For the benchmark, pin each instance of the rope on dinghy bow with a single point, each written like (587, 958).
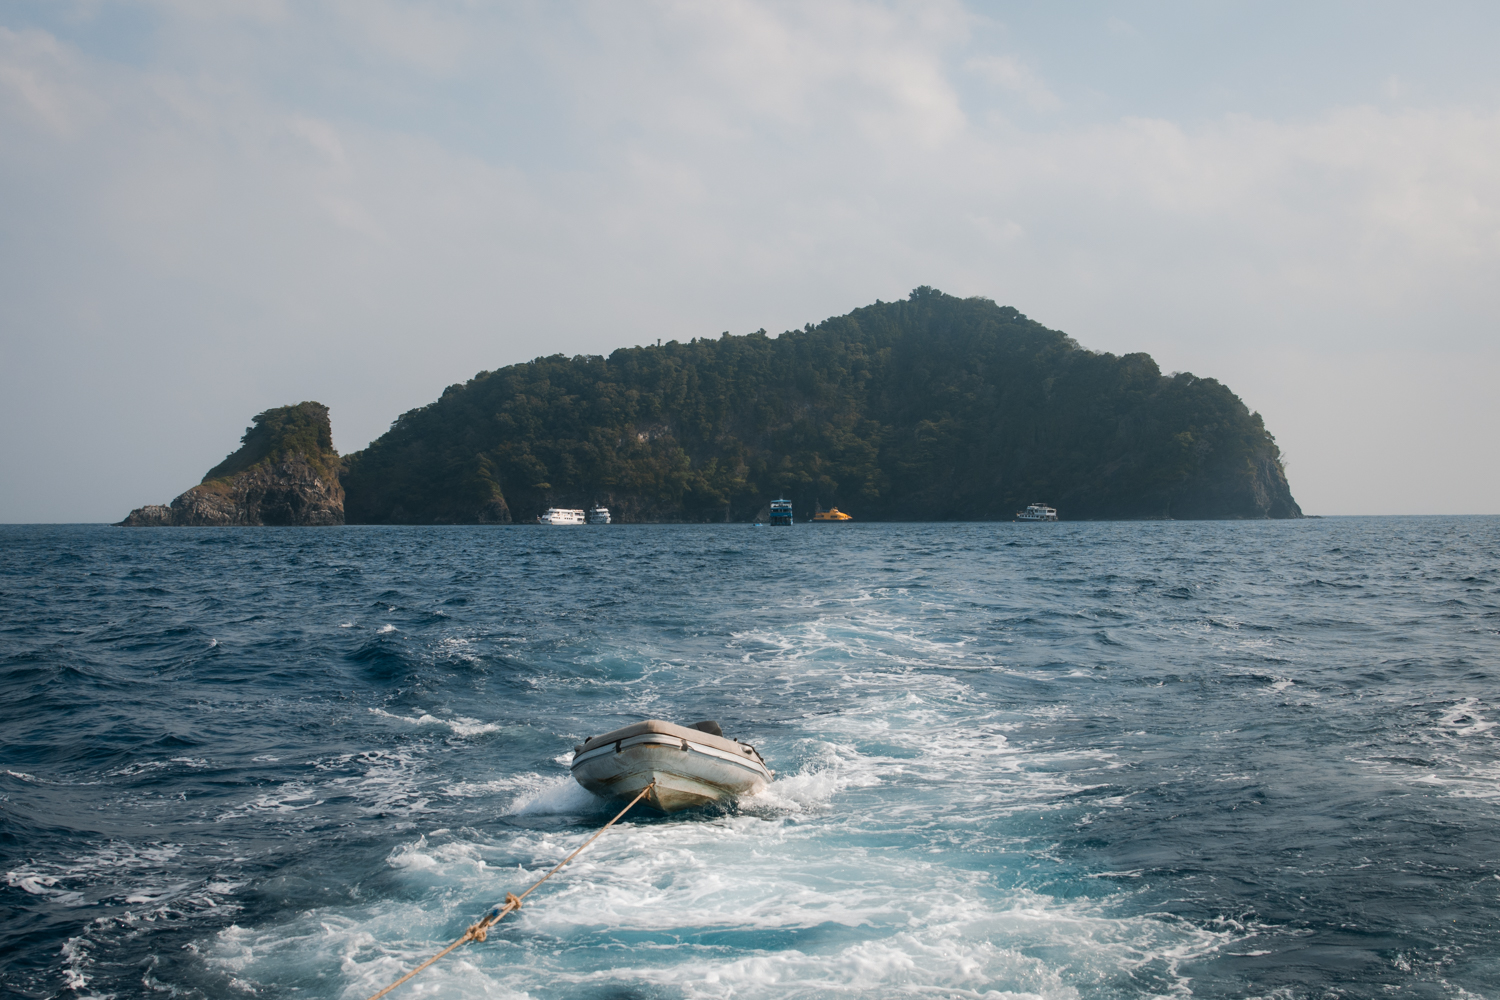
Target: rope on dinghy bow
(480, 929)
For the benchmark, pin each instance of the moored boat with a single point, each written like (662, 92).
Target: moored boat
(599, 515)
(833, 515)
(561, 515)
(691, 765)
(781, 512)
(1037, 512)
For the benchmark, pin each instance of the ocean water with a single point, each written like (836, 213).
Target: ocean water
(1046, 760)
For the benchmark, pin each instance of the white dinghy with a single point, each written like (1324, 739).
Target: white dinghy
(691, 765)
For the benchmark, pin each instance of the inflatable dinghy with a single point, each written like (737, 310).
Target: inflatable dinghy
(691, 765)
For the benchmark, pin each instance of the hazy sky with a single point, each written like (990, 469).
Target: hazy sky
(208, 209)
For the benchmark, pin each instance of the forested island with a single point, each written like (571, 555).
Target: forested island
(935, 408)
(932, 409)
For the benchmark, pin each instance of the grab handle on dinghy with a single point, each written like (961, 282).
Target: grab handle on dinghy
(480, 929)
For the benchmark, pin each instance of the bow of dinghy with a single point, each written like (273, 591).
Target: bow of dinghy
(684, 766)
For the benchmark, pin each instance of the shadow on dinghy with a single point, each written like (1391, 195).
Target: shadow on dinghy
(691, 765)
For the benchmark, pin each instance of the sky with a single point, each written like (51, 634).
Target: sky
(211, 208)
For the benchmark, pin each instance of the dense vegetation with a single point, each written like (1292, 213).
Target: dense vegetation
(935, 408)
(302, 429)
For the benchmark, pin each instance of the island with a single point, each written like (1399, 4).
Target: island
(286, 472)
(934, 408)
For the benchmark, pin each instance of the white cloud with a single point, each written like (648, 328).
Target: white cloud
(202, 236)
(1013, 75)
(38, 82)
(438, 40)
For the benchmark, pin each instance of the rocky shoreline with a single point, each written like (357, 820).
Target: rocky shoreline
(285, 474)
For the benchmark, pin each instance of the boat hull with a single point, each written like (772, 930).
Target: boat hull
(690, 769)
(1037, 512)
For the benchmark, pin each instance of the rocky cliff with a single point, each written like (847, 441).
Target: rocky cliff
(286, 472)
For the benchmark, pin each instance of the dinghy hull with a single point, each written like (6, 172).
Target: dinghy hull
(691, 768)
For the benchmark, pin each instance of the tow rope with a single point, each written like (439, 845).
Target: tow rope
(480, 929)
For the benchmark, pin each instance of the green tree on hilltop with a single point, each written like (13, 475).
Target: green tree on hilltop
(934, 408)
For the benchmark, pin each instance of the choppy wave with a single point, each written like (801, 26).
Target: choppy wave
(1060, 761)
(459, 725)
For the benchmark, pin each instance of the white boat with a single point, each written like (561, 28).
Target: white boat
(599, 515)
(691, 765)
(561, 515)
(1037, 512)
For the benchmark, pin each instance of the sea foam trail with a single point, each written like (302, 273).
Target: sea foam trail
(731, 906)
(1065, 760)
(559, 796)
(786, 896)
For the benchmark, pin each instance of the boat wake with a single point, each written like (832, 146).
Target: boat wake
(1068, 761)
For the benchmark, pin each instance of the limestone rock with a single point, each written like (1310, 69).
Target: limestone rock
(286, 472)
(153, 515)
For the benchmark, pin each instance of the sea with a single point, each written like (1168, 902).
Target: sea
(1070, 760)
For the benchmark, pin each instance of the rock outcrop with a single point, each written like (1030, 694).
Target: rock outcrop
(286, 472)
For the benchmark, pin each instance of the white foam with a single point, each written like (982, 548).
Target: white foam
(456, 648)
(382, 630)
(454, 859)
(883, 934)
(557, 797)
(141, 767)
(76, 963)
(836, 881)
(158, 894)
(804, 859)
(459, 725)
(285, 800)
(382, 782)
(827, 769)
(38, 884)
(1464, 719)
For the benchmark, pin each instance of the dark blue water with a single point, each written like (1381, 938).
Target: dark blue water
(1066, 760)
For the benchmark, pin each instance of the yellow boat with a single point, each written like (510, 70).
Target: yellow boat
(831, 515)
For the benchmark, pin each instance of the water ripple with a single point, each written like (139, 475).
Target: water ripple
(1067, 760)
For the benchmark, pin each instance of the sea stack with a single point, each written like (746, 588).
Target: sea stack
(286, 472)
